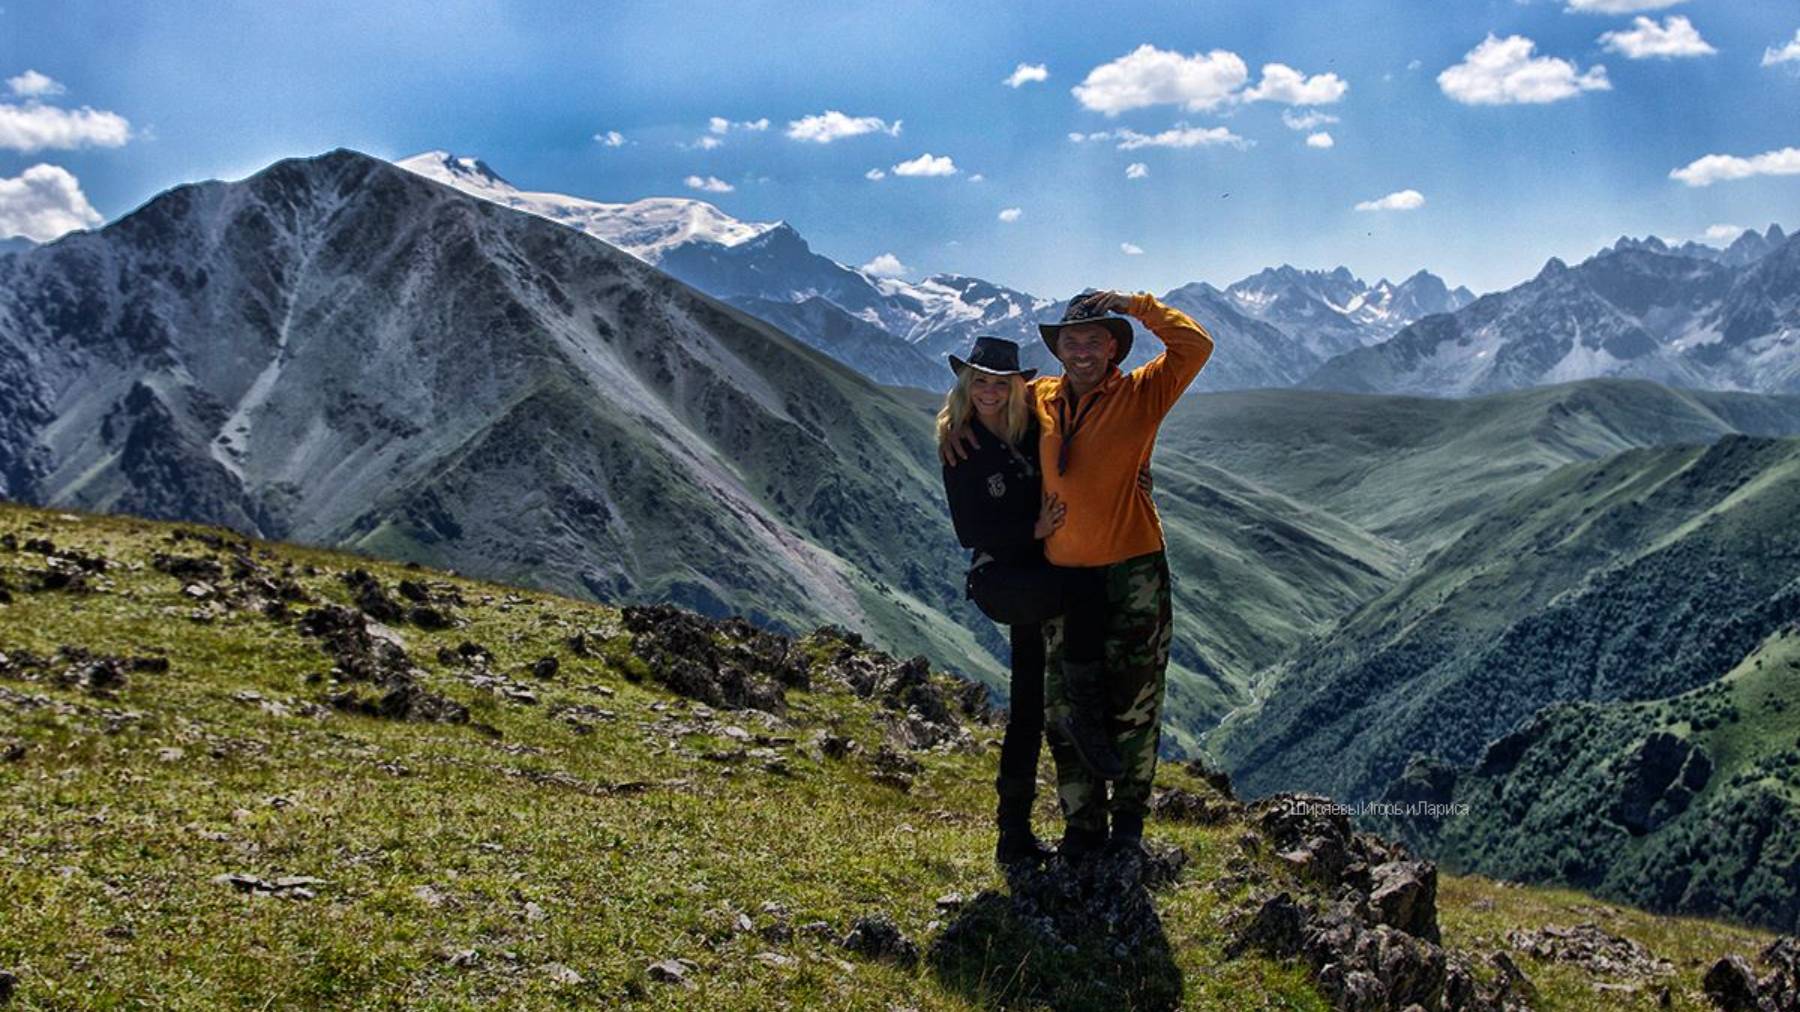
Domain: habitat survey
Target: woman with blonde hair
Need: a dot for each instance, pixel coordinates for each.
(1000, 513)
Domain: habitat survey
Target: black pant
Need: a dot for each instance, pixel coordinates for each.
(1084, 626)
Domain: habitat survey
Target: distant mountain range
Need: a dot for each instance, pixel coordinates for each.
(1721, 320)
(1688, 315)
(1283, 323)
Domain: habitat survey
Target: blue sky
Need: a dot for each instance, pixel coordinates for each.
(1533, 153)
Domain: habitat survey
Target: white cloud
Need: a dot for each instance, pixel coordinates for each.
(1131, 249)
(926, 164)
(711, 184)
(1722, 233)
(1503, 72)
(1308, 120)
(32, 126)
(1676, 36)
(887, 265)
(1150, 76)
(706, 143)
(1025, 73)
(1011, 214)
(611, 138)
(1136, 170)
(1179, 136)
(875, 174)
(1414, 64)
(1077, 137)
(44, 202)
(32, 84)
(832, 125)
(1789, 53)
(1321, 139)
(1282, 83)
(1616, 6)
(719, 124)
(1400, 200)
(977, 178)
(1721, 168)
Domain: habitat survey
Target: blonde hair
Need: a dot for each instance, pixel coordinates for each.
(957, 408)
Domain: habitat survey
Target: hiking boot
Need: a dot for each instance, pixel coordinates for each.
(1127, 834)
(1080, 844)
(1017, 843)
(1084, 725)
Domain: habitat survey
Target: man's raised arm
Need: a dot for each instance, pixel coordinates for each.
(1186, 349)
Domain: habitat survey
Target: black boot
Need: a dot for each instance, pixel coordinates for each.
(1127, 833)
(1079, 844)
(1085, 725)
(1017, 844)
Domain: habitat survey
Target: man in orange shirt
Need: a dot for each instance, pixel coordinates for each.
(1098, 426)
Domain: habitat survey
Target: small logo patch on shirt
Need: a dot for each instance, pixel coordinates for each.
(996, 485)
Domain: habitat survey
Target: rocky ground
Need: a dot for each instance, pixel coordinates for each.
(242, 773)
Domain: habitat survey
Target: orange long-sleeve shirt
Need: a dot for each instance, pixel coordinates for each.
(1110, 519)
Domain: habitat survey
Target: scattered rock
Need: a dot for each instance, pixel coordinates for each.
(1404, 895)
(563, 975)
(669, 971)
(1177, 805)
(1733, 986)
(773, 959)
(12, 751)
(1591, 947)
(731, 665)
(834, 746)
(1218, 780)
(876, 936)
(363, 655)
(9, 986)
(300, 887)
(369, 595)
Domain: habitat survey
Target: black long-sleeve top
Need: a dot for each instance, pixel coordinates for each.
(995, 496)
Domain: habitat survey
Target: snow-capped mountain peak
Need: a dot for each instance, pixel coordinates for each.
(1335, 311)
(644, 228)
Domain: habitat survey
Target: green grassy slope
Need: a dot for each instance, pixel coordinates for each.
(1572, 798)
(1417, 470)
(543, 854)
(1635, 577)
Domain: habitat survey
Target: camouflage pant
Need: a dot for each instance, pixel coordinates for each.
(1139, 629)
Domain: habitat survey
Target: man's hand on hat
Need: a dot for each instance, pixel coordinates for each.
(1108, 301)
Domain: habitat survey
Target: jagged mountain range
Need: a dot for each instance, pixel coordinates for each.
(1284, 322)
(1639, 309)
(1687, 315)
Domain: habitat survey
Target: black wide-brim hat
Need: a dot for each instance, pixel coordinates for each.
(995, 356)
(1084, 309)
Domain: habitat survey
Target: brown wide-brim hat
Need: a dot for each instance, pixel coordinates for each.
(1083, 310)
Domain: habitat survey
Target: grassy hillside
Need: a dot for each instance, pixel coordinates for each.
(1417, 470)
(1644, 575)
(1678, 804)
(230, 789)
